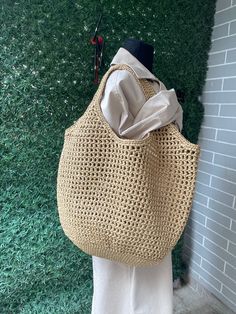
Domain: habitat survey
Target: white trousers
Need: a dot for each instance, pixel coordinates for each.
(122, 289)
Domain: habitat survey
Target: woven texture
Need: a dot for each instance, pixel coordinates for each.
(126, 200)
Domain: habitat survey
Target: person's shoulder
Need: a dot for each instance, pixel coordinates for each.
(121, 75)
(121, 81)
(124, 79)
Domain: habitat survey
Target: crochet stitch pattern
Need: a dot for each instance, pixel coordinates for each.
(126, 200)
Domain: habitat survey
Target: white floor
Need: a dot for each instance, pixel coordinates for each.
(188, 301)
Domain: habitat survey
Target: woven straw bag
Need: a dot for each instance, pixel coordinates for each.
(127, 200)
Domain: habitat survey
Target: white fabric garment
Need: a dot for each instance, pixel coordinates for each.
(119, 288)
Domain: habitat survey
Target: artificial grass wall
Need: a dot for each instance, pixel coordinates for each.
(46, 83)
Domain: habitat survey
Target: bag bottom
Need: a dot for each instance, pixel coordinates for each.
(131, 260)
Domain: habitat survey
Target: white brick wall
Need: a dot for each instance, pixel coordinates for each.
(210, 238)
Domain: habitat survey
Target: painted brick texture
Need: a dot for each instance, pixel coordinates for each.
(210, 237)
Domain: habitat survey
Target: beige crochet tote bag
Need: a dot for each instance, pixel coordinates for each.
(127, 200)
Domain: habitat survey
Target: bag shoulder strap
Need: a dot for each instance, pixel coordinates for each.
(147, 88)
(143, 83)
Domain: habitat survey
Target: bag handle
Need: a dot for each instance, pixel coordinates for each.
(147, 88)
(143, 83)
